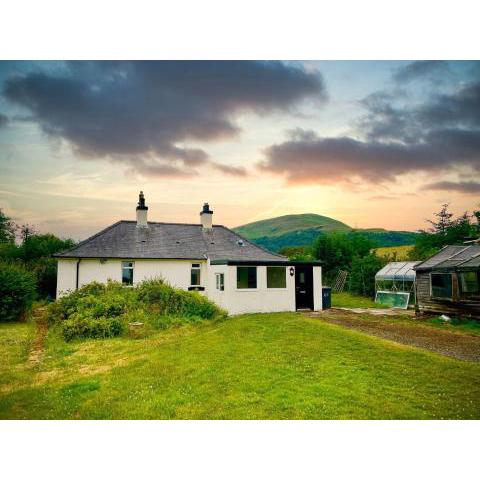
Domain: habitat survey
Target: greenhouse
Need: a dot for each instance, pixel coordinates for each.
(395, 284)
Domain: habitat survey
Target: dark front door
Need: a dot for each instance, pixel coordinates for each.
(304, 286)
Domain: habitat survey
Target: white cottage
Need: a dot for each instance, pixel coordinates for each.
(236, 274)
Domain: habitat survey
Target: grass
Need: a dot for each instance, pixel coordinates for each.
(15, 342)
(466, 325)
(263, 366)
(401, 252)
(349, 300)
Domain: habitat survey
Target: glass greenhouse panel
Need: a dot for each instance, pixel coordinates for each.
(393, 299)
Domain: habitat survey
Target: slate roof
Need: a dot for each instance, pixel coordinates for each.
(168, 241)
(453, 257)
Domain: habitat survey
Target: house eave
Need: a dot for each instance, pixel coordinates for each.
(281, 263)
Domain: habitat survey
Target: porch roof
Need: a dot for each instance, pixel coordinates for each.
(280, 263)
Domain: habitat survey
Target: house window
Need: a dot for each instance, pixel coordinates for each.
(469, 282)
(127, 273)
(220, 281)
(276, 277)
(195, 275)
(246, 277)
(441, 285)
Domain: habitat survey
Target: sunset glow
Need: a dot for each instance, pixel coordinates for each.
(372, 144)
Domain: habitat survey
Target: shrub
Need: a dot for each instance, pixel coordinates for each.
(78, 326)
(100, 311)
(17, 291)
(167, 300)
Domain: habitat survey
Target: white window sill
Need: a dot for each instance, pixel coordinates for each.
(247, 289)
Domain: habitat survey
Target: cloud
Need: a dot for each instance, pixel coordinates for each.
(231, 169)
(421, 69)
(320, 160)
(463, 187)
(383, 197)
(442, 133)
(143, 113)
(3, 120)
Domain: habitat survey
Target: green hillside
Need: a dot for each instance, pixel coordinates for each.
(277, 226)
(302, 230)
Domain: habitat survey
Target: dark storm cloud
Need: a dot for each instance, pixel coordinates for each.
(385, 120)
(327, 160)
(441, 134)
(3, 120)
(421, 69)
(464, 187)
(142, 112)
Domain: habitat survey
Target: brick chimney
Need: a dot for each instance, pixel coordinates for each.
(206, 217)
(142, 211)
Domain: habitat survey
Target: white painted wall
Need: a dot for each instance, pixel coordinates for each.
(261, 299)
(317, 288)
(177, 274)
(66, 276)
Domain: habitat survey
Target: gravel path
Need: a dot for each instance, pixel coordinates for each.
(458, 345)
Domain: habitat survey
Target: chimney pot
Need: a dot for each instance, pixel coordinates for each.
(206, 217)
(142, 211)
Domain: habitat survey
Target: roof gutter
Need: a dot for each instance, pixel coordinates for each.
(280, 263)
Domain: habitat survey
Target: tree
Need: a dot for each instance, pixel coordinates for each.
(37, 251)
(7, 228)
(446, 230)
(361, 279)
(443, 222)
(299, 254)
(17, 291)
(337, 250)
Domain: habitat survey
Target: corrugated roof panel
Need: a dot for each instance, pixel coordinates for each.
(467, 253)
(397, 271)
(440, 257)
(472, 263)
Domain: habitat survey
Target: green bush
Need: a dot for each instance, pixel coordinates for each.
(100, 311)
(167, 300)
(78, 326)
(17, 291)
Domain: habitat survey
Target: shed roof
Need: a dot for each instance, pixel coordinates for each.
(453, 257)
(169, 241)
(397, 271)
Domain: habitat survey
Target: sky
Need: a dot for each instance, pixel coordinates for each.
(370, 143)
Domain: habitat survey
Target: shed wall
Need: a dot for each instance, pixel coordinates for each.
(456, 306)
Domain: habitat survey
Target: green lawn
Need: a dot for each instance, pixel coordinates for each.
(349, 300)
(262, 366)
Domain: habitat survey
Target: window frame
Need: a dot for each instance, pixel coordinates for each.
(462, 283)
(285, 278)
(196, 269)
(220, 281)
(247, 289)
(131, 268)
(451, 285)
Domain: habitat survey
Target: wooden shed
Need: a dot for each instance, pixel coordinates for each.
(448, 282)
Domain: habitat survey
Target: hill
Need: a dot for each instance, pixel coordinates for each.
(303, 229)
(277, 226)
